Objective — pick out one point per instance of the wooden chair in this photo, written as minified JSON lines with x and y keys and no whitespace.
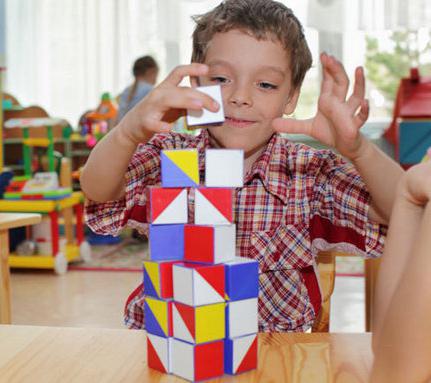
{"x":326,"y":274}
{"x":326,"y":270}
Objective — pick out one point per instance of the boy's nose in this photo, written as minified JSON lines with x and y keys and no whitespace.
{"x":241,"y":96}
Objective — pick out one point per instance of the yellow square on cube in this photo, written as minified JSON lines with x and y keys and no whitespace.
{"x":210,"y":322}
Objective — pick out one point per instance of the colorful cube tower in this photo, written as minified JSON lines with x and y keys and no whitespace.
{"x":200,"y":302}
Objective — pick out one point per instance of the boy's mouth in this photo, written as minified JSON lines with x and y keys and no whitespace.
{"x":238,"y":123}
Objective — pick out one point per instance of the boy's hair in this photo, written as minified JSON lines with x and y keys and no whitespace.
{"x":263,"y":19}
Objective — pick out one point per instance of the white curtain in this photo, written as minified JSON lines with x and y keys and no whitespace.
{"x":62,"y":54}
{"x":343,"y":15}
{"x":394,"y":14}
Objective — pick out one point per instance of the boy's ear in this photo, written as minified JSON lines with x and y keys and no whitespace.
{"x":194,"y":81}
{"x":291,"y":102}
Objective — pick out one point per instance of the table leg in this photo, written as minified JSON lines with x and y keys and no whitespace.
{"x":371,"y":271}
{"x":53,"y":215}
{"x":68,"y":224}
{"x":5,"y":302}
{"x":79,"y":213}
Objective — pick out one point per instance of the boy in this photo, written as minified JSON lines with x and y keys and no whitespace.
{"x":295,"y":200}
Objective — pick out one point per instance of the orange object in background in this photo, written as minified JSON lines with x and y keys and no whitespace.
{"x":106,"y":111}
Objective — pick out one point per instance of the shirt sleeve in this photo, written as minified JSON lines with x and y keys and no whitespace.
{"x":112,"y":216}
{"x":339,"y":215}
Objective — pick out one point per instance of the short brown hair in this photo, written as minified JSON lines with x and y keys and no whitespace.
{"x":264,"y":19}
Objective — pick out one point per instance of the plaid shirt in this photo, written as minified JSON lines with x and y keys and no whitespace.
{"x":295,"y":202}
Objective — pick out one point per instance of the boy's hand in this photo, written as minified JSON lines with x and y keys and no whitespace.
{"x":338,"y":120}
{"x":415,"y":184}
{"x":165,"y":104}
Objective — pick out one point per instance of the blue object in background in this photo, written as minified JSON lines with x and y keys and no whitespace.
{"x":5,"y":178}
{"x":98,"y":239}
{"x":414,"y":141}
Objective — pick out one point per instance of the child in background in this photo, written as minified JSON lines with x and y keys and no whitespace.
{"x":145,"y":71}
{"x":402,"y":333}
{"x":296,"y":201}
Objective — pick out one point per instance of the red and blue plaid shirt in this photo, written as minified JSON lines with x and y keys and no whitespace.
{"x":295,"y":202}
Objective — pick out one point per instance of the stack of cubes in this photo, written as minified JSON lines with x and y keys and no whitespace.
{"x":200,"y":299}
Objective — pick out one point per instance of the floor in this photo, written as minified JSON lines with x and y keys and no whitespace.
{"x":96,"y":299}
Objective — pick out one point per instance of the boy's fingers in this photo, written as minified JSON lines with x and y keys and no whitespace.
{"x":358,"y":90}
{"x":159,"y":126}
{"x":188,"y":98}
{"x":327,"y":81}
{"x":177,"y":75}
{"x":341,"y":80}
{"x":362,"y":115}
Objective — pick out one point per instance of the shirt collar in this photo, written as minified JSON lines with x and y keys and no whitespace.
{"x":271,"y":166}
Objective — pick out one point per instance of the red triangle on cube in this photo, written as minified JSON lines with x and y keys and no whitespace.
{"x":214,"y":275}
{"x":153,"y":359}
{"x":160,"y":199}
{"x":188,"y":315}
{"x":250,"y":359}
{"x":221,"y":199}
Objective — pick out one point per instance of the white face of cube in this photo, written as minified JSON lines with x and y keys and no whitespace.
{"x":224,"y":168}
{"x":204,"y":116}
{"x":242,"y":317}
{"x":183,"y":359}
{"x":225,"y":243}
{"x":183,"y":284}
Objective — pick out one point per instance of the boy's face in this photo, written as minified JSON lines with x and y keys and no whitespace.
{"x":255,"y":80}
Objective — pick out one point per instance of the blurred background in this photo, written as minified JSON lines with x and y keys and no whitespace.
{"x":64,"y":54}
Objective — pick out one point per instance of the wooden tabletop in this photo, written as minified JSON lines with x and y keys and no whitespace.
{"x":55,"y":354}
{"x":12,"y":220}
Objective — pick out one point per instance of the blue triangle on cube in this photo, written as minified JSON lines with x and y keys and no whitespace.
{"x":172,"y":175}
{"x":149,"y":288}
{"x":151,"y":324}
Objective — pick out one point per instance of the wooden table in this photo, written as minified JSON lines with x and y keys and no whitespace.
{"x":9,"y":221}
{"x":54,"y":354}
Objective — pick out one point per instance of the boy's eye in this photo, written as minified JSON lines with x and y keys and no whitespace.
{"x":267,"y":85}
{"x":219,"y":79}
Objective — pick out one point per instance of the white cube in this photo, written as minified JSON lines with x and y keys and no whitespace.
{"x":241,"y":318}
{"x":197,"y":284}
{"x":224,"y":168}
{"x":204,"y":116}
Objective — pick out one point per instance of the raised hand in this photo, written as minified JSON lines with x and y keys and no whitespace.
{"x":338,"y":120}
{"x":165,"y":104}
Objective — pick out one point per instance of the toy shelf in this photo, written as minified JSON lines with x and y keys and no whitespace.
{"x":75,"y":247}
